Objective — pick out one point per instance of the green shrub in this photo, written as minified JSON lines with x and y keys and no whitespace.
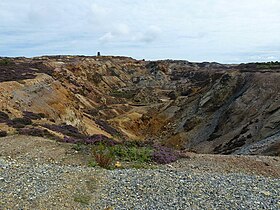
{"x":104,"y":160}
{"x":103,"y":156}
{"x":132,"y":153}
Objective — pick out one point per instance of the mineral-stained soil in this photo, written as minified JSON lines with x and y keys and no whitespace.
{"x":199,"y":107}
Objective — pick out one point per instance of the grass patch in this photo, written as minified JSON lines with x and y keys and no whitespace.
{"x":83,"y":199}
{"x":127,"y":155}
{"x":109,"y":154}
{"x":132,"y":153}
{"x":106,"y":156}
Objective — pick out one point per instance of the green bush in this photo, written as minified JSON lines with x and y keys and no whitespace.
{"x":132,"y":153}
{"x":103,"y":156}
{"x":135,"y":155}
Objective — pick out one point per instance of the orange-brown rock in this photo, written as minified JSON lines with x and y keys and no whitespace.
{"x":202,"y":107}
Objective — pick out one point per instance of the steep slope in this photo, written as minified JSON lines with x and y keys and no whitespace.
{"x":204,"y":107}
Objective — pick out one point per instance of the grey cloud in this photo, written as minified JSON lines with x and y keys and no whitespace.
{"x":123,"y":33}
{"x":220,"y":30}
{"x":150,"y":35}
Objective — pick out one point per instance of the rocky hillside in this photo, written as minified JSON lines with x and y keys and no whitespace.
{"x":201,"y":107}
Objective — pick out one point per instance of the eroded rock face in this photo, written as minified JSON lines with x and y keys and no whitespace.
{"x":204,"y":107}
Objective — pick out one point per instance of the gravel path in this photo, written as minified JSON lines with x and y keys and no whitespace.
{"x":47,"y":186}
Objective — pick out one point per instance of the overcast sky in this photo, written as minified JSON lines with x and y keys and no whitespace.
{"x":206,"y":30}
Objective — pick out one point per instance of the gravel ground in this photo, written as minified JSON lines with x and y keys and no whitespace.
{"x":47,"y":186}
{"x":36,"y":173}
{"x":169,"y":189}
{"x":29,"y":185}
